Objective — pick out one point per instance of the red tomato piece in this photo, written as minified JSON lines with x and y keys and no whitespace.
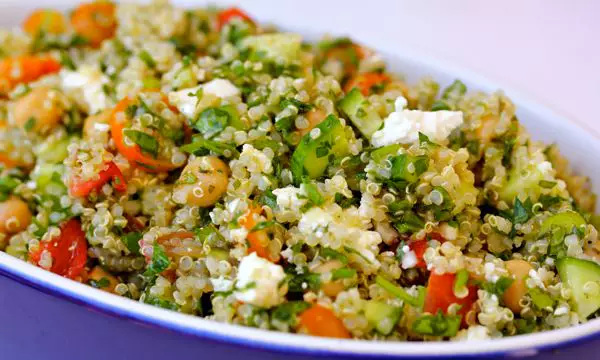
{"x":440,"y":295}
{"x":229,"y":14}
{"x":68,"y":250}
{"x":111,"y":173}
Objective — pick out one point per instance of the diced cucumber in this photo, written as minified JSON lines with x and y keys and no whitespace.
{"x":576,"y":273}
{"x":54,"y":151}
{"x":284,"y":46}
{"x":381,"y":316}
{"x":366,"y":120}
{"x":45,"y":174}
{"x":383,"y":153}
{"x":219,"y":254}
{"x":312,"y":156}
{"x":566,"y":220}
{"x":408,"y":168}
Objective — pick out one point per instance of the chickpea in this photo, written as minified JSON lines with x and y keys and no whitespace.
{"x":15,"y":216}
{"x":314,"y":117}
{"x":98,"y":273}
{"x":40,"y":110}
{"x":330,"y":288}
{"x":202,"y":182}
{"x":519,"y":269}
{"x":96,"y":126}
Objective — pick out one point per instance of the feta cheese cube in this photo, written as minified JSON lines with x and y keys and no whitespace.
{"x":87,"y":85}
{"x":186,"y":102}
{"x":260,"y":282}
{"x":403,"y":126}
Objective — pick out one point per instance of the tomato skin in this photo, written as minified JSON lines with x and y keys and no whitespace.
{"x":24,"y":69}
{"x":419,"y":247}
{"x":68,"y":250}
{"x":321,"y":321}
{"x":440,"y":295}
{"x":256,"y":239}
{"x":133,"y":153}
{"x":112,"y":172}
{"x":229,"y":14}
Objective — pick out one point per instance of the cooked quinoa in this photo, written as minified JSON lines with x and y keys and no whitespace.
{"x":195,"y":160}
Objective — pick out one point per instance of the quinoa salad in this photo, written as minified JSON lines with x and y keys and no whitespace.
{"x":195,"y":160}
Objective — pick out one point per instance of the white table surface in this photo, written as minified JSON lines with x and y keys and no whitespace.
{"x":548,"y":50}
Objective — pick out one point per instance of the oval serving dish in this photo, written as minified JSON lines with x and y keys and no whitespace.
{"x":47,"y":316}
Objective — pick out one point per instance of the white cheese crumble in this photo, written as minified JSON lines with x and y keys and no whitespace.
{"x":186,"y":101}
{"x":334,"y":227}
{"x":409,"y":260}
{"x":260,"y":282}
{"x":88,"y":81}
{"x":221,"y":88}
{"x":403,"y":126}
{"x":221,"y":284}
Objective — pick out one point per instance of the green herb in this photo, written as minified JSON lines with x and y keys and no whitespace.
{"x":146,"y":142}
{"x":439,"y":105}
{"x":540,"y":299}
{"x":301,"y":282}
{"x":460,"y":281}
{"x":287,"y":312}
{"x":269,"y":199}
{"x":210,"y":235}
{"x":343,"y":273}
{"x":456,"y":89}
{"x":409,"y":222}
{"x":66,"y":61}
{"x":522,"y":212}
{"x":29,"y":124}
{"x":131,"y":241}
{"x":165,"y":304}
{"x":160,"y":262}
{"x":302,"y":107}
{"x":263,"y":225}
{"x":147,"y":59}
{"x":7,"y":185}
{"x":437,"y":325}
{"x":400,"y":251}
{"x":212,"y":121}
{"x":408,"y":168}
{"x":313,"y":194}
{"x":345,"y":202}
{"x":424,"y":141}
{"x":329,"y":253}
{"x":102,"y":283}
{"x":200,"y":146}
{"x":547,"y":184}
{"x":548,"y":201}
{"x":398,"y":292}
{"x":499,"y":287}
{"x":525,"y":326}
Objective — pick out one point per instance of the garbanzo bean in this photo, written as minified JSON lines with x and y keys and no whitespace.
{"x":314,"y":117}
{"x":330,"y":288}
{"x":15,"y":216}
{"x":202,"y":182}
{"x":97,"y":126}
{"x":40,"y":110}
{"x":98,"y":274}
{"x":519,"y":269}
